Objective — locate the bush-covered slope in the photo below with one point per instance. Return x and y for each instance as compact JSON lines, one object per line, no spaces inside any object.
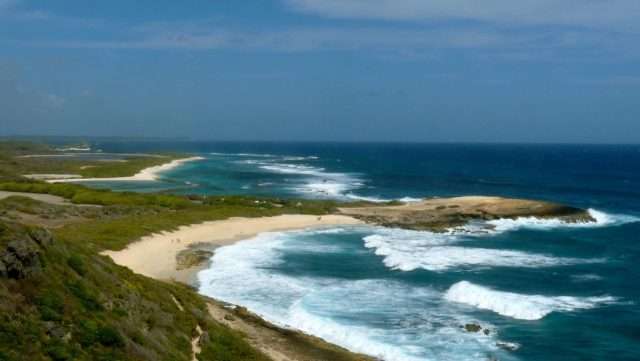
{"x":59,"y":301}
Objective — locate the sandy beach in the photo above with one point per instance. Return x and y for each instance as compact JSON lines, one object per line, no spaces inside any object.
{"x":147,"y":174}
{"x":155,"y":255}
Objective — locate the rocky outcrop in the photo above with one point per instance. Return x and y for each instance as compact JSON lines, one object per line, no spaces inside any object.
{"x":475,"y":328}
{"x":20,"y":257}
{"x":192,"y":257}
{"x":440,"y":214}
{"x":509,"y":346}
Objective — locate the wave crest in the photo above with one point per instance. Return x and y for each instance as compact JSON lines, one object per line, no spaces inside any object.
{"x":411,"y":250}
{"x":602,"y":219}
{"x":522,"y":307}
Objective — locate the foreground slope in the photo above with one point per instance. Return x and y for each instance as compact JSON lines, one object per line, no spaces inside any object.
{"x":61,"y":301}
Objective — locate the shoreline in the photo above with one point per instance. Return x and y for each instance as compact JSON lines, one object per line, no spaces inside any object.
{"x":146,"y":174}
{"x":155,"y":255}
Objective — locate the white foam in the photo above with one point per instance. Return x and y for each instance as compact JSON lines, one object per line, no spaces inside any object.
{"x":297,"y":158}
{"x":523,"y":307}
{"x":410,"y":199}
{"x":385,"y":319}
{"x":601,"y":220}
{"x":365,"y":198}
{"x":293,"y":169}
{"x":330,"y":189}
{"x":382,"y":200}
{"x":410,"y":250}
{"x":259,"y":155}
{"x":318,"y":182}
{"x":589,"y":277}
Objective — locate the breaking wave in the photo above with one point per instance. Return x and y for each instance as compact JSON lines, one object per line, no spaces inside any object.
{"x":314,"y":181}
{"x":602,"y":219}
{"x":519,"y":306}
{"x":410,"y":250}
{"x":382,"y":318}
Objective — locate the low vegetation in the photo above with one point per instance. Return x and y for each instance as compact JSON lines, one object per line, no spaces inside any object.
{"x":61,"y":301}
{"x":16,"y":160}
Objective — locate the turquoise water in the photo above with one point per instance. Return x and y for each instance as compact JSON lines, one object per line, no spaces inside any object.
{"x":545,"y":290}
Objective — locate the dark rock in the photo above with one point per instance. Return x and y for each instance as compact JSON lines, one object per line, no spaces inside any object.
{"x":192,"y":257}
{"x":486,"y":331}
{"x":21,"y":259}
{"x":57,"y":332}
{"x":509,"y":346}
{"x":204,"y":339}
{"x":472,"y":327}
{"x":54,"y":330}
{"x":21,"y":256}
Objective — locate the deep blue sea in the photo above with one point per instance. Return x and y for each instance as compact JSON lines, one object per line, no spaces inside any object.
{"x":545,"y":290}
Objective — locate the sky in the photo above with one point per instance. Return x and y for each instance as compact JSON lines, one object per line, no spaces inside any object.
{"x":323,"y":70}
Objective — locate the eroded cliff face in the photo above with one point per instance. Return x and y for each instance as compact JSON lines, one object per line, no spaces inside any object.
{"x":439,"y":214}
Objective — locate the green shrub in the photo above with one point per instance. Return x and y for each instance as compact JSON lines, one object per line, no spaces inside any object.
{"x":77,"y":264}
{"x":87,"y":330}
{"x":51,"y":306}
{"x":110,"y":337}
{"x":58,"y":351}
{"x":86,"y":296}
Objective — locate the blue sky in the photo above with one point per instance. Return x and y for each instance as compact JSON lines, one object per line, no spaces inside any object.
{"x":343,"y":70}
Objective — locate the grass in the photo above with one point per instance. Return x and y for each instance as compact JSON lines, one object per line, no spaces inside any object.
{"x":13,"y":166}
{"x":81,"y":306}
{"x":116,"y":234}
{"x":81,"y":194}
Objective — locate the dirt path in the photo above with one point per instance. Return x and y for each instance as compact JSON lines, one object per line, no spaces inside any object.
{"x":195,"y":342}
{"x":47,"y":198}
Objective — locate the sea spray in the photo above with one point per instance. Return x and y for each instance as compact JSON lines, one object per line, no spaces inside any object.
{"x":383,"y":318}
{"x":522,"y":307}
{"x":410,"y":250}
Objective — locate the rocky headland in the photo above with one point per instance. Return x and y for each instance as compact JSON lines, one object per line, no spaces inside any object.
{"x":440,"y":214}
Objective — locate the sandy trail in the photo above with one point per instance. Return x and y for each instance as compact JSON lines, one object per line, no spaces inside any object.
{"x":46,"y":198}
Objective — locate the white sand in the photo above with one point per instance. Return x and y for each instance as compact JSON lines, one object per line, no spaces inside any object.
{"x":45,"y":176}
{"x":147,"y":174}
{"x":155,"y":255}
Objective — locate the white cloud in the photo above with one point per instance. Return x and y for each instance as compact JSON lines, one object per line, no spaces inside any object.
{"x":589,"y":13}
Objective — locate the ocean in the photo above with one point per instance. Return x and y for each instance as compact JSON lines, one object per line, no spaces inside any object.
{"x":542,"y":290}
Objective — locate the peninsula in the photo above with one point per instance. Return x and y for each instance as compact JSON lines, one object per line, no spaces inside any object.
{"x":440,"y":214}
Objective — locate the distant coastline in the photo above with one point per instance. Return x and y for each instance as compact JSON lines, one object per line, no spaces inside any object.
{"x":146,"y":174}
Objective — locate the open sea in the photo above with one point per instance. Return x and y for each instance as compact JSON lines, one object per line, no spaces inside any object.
{"x":544,"y":290}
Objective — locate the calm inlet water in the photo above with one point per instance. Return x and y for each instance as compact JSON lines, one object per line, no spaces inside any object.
{"x":545,"y":290}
